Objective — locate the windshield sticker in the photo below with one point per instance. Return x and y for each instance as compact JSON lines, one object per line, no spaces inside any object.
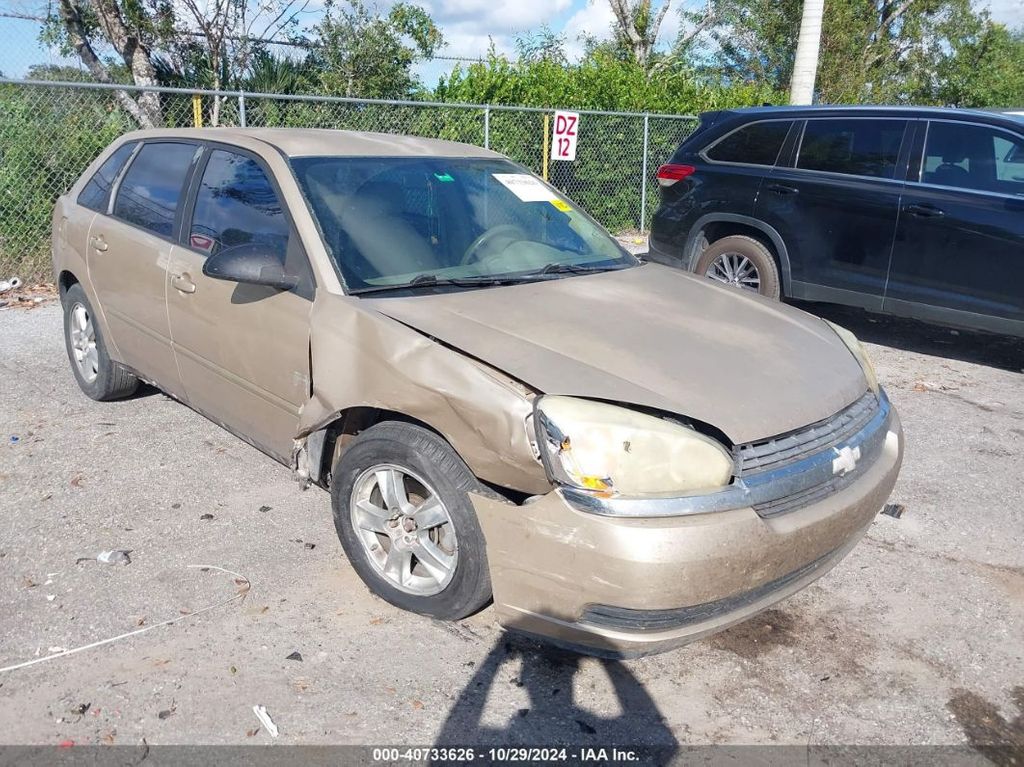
{"x":526,"y":187}
{"x":443,"y":176}
{"x":562,"y":205}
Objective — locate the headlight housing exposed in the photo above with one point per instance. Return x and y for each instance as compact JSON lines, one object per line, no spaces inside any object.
{"x":857,"y":350}
{"x":612,"y":450}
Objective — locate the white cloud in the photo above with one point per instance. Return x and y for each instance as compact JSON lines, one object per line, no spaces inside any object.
{"x":496,"y":17}
{"x":1009,"y":12}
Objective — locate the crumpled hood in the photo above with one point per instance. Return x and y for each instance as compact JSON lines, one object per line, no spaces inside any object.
{"x":651,"y":336}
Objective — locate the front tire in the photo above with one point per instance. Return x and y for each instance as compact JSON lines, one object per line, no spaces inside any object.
{"x":401,"y":508}
{"x":97,"y":375}
{"x":741,"y":262}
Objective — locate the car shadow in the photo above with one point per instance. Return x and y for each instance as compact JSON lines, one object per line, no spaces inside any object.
{"x":1005,"y":352}
{"x":553,"y":717}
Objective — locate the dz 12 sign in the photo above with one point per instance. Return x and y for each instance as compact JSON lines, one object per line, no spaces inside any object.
{"x":563,"y":139}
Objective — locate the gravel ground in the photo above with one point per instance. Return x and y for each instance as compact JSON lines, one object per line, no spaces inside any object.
{"x":916,"y":638}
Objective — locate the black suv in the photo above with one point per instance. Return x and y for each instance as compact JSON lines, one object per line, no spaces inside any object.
{"x":912,"y":211}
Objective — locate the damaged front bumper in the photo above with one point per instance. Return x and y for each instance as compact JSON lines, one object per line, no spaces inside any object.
{"x":624,"y":586}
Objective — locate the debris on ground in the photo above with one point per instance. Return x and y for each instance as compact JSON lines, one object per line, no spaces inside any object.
{"x":115,"y":557}
{"x":241,"y":581}
{"x":206,"y":516}
{"x":9,"y":284}
{"x":894,"y":510}
{"x":265,"y":720}
{"x":265,"y":509}
{"x":294,"y":656}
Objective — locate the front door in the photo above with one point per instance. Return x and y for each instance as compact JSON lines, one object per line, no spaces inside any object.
{"x":835,"y":207}
{"x":243,"y":350}
{"x":128,"y":255}
{"x":959,"y":252}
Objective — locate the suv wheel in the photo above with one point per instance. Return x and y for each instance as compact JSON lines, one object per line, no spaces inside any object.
{"x":742,"y":262}
{"x":402,"y":511}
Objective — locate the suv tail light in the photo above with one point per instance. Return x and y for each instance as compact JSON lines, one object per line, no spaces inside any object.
{"x":669,"y":174}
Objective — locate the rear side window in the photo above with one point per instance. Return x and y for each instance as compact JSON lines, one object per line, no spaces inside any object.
{"x":151,"y":189}
{"x":96,"y":194}
{"x":853,"y":147}
{"x":973,"y":157}
{"x":755,"y":144}
{"x":237,"y":205}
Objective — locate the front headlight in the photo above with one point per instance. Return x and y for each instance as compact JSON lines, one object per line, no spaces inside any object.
{"x":616,"y":451}
{"x":857,"y":350}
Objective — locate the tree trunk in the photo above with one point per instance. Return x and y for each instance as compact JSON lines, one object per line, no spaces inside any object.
{"x":805,"y":67}
{"x":135,"y":55}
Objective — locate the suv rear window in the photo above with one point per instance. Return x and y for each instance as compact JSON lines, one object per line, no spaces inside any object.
{"x":755,"y":144}
{"x":149,"y":193}
{"x":856,"y":147}
{"x":96,"y":194}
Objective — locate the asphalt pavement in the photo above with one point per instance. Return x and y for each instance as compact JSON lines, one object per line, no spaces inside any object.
{"x":916,"y":638}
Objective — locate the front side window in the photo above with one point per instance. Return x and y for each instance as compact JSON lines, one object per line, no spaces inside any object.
{"x":96,"y":194}
{"x":151,"y":189}
{"x":389,"y":221}
{"x":973,"y":157}
{"x":237,"y":205}
{"x":855,"y":147}
{"x":754,"y":144}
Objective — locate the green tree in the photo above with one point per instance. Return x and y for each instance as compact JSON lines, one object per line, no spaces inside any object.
{"x":362,"y":53}
{"x":875,"y":51}
{"x":985,"y":68}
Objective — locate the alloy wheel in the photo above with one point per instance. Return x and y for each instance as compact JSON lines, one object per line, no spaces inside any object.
{"x":735,"y":269}
{"x":82,"y":333}
{"x":405,"y":529}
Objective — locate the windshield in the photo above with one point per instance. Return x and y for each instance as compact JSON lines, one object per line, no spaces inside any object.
{"x":389,"y":221}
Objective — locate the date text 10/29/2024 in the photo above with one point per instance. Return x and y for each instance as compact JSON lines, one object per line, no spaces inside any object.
{"x":455,"y":754}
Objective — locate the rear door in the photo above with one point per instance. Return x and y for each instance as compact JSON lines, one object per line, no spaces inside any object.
{"x":959,"y":251}
{"x":243,"y":350}
{"x":129,"y":250}
{"x":835,"y":204}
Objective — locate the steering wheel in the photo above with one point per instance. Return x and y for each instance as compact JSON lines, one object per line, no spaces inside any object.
{"x":511,"y":231}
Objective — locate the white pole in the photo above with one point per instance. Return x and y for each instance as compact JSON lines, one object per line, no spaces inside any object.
{"x":805,"y":66}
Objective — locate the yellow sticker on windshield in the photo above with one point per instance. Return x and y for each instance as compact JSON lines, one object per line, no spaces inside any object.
{"x":562,"y":205}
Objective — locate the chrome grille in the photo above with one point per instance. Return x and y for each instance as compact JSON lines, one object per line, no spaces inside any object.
{"x":788,"y":448}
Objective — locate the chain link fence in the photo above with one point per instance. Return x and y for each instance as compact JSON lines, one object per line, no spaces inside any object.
{"x":49,"y":133}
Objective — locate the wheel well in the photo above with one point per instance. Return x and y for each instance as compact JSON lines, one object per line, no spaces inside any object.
{"x":355,"y":420}
{"x":64,"y":282}
{"x":716,"y":230}
{"x":349,"y":424}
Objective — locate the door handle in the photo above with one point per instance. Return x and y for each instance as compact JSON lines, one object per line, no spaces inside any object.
{"x":783,"y":189}
{"x":98,"y":243}
{"x":183,"y":282}
{"x":925,"y":211}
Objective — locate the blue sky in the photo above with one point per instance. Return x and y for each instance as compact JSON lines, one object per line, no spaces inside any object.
{"x":469,"y":27}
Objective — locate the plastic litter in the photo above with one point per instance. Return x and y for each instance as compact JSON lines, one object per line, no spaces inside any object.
{"x":894,"y":510}
{"x":294,"y":656}
{"x":115,"y":557}
{"x":265,"y":720}
{"x":10,"y":284}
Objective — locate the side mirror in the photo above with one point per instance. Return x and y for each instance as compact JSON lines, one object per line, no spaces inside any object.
{"x":253,"y":264}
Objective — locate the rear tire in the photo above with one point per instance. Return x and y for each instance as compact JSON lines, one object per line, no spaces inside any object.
{"x":741,"y":262}
{"x":98,"y":376}
{"x":401,"y":507}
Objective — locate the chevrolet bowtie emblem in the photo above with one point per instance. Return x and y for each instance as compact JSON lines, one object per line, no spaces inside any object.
{"x":845,"y":460}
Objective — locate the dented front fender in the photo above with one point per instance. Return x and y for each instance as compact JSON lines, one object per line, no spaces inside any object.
{"x":359,"y":358}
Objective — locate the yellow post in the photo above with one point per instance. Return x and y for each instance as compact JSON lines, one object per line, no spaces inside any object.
{"x":546,"y":147}
{"x":197,"y":110}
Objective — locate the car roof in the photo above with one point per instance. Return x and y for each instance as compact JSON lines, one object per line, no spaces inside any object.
{"x":846,"y":110}
{"x":317,"y":142}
